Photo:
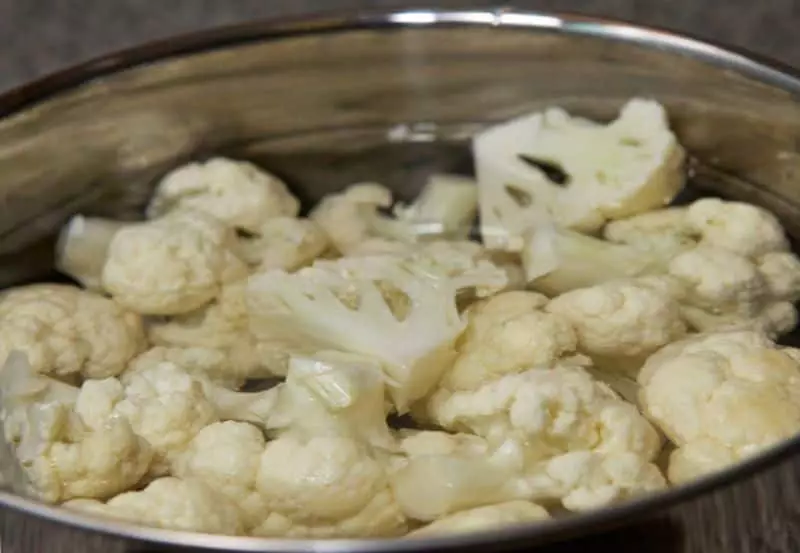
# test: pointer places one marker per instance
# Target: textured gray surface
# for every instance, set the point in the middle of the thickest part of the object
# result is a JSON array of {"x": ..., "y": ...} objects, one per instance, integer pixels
[{"x": 38, "y": 36}]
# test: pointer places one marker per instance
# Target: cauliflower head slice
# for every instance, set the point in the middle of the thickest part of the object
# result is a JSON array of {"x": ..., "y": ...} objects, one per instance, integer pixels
[
  {"x": 326, "y": 486},
  {"x": 286, "y": 243},
  {"x": 724, "y": 396},
  {"x": 339, "y": 305},
  {"x": 337, "y": 394},
  {"x": 508, "y": 333},
  {"x": 488, "y": 517},
  {"x": 82, "y": 249},
  {"x": 171, "y": 265},
  {"x": 238, "y": 193},
  {"x": 66, "y": 331},
  {"x": 172, "y": 503},
  {"x": 580, "y": 174},
  {"x": 620, "y": 322},
  {"x": 550, "y": 411}
]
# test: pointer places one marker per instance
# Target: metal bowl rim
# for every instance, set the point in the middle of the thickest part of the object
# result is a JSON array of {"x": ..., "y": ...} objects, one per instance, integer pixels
[{"x": 758, "y": 68}]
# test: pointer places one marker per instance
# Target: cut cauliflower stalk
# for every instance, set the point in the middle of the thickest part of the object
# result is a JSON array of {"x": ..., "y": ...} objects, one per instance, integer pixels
[
  {"x": 65, "y": 331},
  {"x": 721, "y": 397},
  {"x": 603, "y": 172},
  {"x": 490, "y": 517},
  {"x": 82, "y": 249},
  {"x": 67, "y": 447},
  {"x": 171, "y": 265},
  {"x": 237, "y": 193},
  {"x": 339, "y": 305}
]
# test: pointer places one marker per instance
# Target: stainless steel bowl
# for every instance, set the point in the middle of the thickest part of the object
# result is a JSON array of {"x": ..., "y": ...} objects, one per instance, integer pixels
[{"x": 390, "y": 96}]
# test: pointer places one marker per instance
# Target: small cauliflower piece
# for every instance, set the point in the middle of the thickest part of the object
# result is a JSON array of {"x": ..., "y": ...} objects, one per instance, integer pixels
[
  {"x": 235, "y": 192},
  {"x": 284, "y": 243},
  {"x": 325, "y": 486},
  {"x": 489, "y": 517},
  {"x": 665, "y": 230},
  {"x": 226, "y": 456},
  {"x": 172, "y": 503},
  {"x": 781, "y": 273},
  {"x": 445, "y": 208},
  {"x": 65, "y": 450},
  {"x": 577, "y": 173},
  {"x": 82, "y": 249},
  {"x": 171, "y": 265},
  {"x": 210, "y": 363},
  {"x": 508, "y": 333},
  {"x": 65, "y": 331},
  {"x": 340, "y": 305},
  {"x": 723, "y": 396},
  {"x": 620, "y": 322},
  {"x": 352, "y": 217}
]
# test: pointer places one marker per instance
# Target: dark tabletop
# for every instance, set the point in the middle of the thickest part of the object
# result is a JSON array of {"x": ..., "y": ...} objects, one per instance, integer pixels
[{"x": 38, "y": 36}]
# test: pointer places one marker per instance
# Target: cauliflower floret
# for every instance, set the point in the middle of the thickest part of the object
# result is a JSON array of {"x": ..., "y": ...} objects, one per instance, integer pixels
[
  {"x": 284, "y": 243},
  {"x": 211, "y": 363},
  {"x": 66, "y": 450},
  {"x": 82, "y": 249},
  {"x": 66, "y": 331},
  {"x": 174, "y": 503},
  {"x": 171, "y": 265},
  {"x": 577, "y": 172},
  {"x": 445, "y": 208},
  {"x": 620, "y": 322},
  {"x": 236, "y": 192},
  {"x": 665, "y": 230},
  {"x": 550, "y": 411},
  {"x": 489, "y": 517},
  {"x": 507, "y": 334},
  {"x": 352, "y": 217},
  {"x": 781, "y": 273},
  {"x": 325, "y": 486},
  {"x": 339, "y": 305},
  {"x": 734, "y": 391},
  {"x": 227, "y": 456}
]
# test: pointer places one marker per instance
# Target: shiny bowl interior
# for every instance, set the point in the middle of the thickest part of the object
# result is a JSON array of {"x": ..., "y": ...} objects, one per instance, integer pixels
[{"x": 389, "y": 97}]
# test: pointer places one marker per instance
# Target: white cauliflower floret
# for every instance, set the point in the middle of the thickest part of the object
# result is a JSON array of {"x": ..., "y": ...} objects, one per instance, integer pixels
[
  {"x": 171, "y": 265},
  {"x": 507, "y": 334},
  {"x": 236, "y": 192},
  {"x": 333, "y": 393},
  {"x": 173, "y": 503},
  {"x": 489, "y": 517},
  {"x": 82, "y": 249},
  {"x": 620, "y": 322},
  {"x": 66, "y": 331},
  {"x": 352, "y": 217},
  {"x": 227, "y": 456},
  {"x": 445, "y": 208},
  {"x": 340, "y": 306},
  {"x": 550, "y": 411},
  {"x": 781, "y": 273},
  {"x": 210, "y": 363},
  {"x": 325, "y": 486},
  {"x": 284, "y": 243},
  {"x": 665, "y": 230},
  {"x": 65, "y": 450},
  {"x": 632, "y": 165},
  {"x": 736, "y": 393}
]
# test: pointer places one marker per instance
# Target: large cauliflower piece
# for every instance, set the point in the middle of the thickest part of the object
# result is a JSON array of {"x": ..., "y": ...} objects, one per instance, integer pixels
[
  {"x": 235, "y": 192},
  {"x": 66, "y": 445},
  {"x": 577, "y": 173},
  {"x": 489, "y": 517},
  {"x": 341, "y": 306},
  {"x": 720, "y": 398},
  {"x": 171, "y": 265},
  {"x": 65, "y": 331}
]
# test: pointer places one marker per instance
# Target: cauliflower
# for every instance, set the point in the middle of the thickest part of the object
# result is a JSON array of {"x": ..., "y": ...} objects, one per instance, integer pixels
[
  {"x": 325, "y": 486},
  {"x": 173, "y": 503},
  {"x": 721, "y": 397},
  {"x": 445, "y": 208},
  {"x": 171, "y": 265},
  {"x": 64, "y": 448},
  {"x": 577, "y": 173},
  {"x": 65, "y": 331},
  {"x": 489, "y": 517},
  {"x": 339, "y": 305},
  {"x": 284, "y": 243},
  {"x": 82, "y": 249},
  {"x": 210, "y": 363},
  {"x": 235, "y": 192},
  {"x": 507, "y": 334},
  {"x": 620, "y": 322}
]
